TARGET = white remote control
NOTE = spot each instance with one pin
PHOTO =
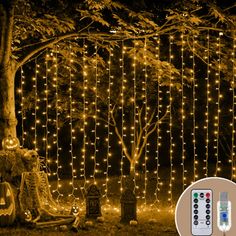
(201, 209)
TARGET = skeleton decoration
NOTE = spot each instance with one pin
(7, 205)
(36, 197)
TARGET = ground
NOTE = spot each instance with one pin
(155, 219)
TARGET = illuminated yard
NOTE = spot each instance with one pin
(112, 109)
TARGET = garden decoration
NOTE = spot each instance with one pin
(128, 206)
(35, 196)
(10, 143)
(7, 205)
(93, 206)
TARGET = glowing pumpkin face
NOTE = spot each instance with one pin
(75, 210)
(7, 205)
(10, 143)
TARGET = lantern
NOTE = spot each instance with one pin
(7, 205)
(10, 143)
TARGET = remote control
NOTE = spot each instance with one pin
(201, 209)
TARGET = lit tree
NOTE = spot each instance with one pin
(27, 28)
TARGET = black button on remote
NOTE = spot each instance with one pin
(196, 222)
(195, 217)
(208, 211)
(195, 206)
(201, 195)
(195, 200)
(195, 211)
(208, 217)
(208, 206)
(208, 200)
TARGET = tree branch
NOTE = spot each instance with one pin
(7, 19)
(123, 145)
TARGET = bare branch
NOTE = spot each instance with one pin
(123, 145)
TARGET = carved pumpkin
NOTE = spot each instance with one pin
(7, 205)
(10, 143)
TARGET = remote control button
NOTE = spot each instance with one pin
(196, 222)
(202, 195)
(208, 217)
(208, 222)
(208, 200)
(195, 217)
(195, 195)
(195, 206)
(195, 212)
(208, 206)
(195, 200)
(208, 211)
(208, 195)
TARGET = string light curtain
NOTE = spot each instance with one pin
(123, 82)
(158, 131)
(22, 109)
(219, 96)
(208, 99)
(233, 168)
(183, 42)
(170, 191)
(85, 110)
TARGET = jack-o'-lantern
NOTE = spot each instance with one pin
(75, 210)
(7, 205)
(27, 216)
(10, 143)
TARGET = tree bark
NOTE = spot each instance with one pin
(8, 119)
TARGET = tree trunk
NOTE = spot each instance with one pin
(8, 119)
(132, 168)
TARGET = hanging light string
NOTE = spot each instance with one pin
(233, 168)
(219, 96)
(183, 42)
(36, 121)
(156, 172)
(56, 134)
(22, 110)
(45, 113)
(72, 130)
(95, 103)
(194, 84)
(146, 121)
(170, 193)
(123, 48)
(208, 99)
(109, 110)
(135, 121)
(85, 110)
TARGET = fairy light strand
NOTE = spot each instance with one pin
(122, 115)
(182, 112)
(108, 156)
(146, 121)
(158, 145)
(85, 110)
(194, 85)
(170, 193)
(219, 96)
(95, 103)
(22, 111)
(233, 168)
(72, 130)
(36, 121)
(208, 99)
(133, 134)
